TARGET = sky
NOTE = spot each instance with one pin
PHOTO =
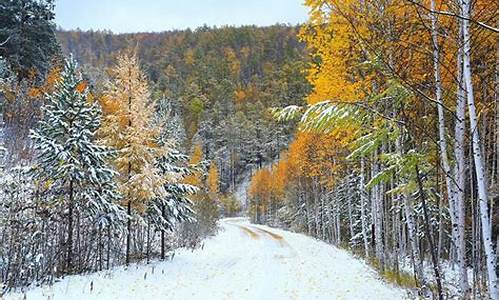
(122, 16)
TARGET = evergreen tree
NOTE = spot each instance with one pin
(68, 159)
(174, 206)
(27, 35)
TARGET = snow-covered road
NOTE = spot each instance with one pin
(243, 261)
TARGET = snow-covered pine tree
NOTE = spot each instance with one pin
(169, 119)
(173, 207)
(67, 157)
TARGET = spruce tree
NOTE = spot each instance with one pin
(69, 159)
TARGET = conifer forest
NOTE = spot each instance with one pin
(351, 155)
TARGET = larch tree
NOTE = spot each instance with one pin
(127, 127)
(213, 179)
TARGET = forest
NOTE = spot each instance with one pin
(372, 127)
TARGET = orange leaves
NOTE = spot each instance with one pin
(268, 184)
(232, 59)
(245, 52)
(239, 95)
(260, 186)
(52, 77)
(81, 87)
(35, 92)
(197, 154)
(311, 156)
(196, 157)
(126, 127)
(330, 39)
(279, 178)
(213, 179)
(318, 156)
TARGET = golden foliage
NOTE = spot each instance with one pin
(126, 127)
(239, 95)
(189, 57)
(81, 86)
(52, 78)
(196, 157)
(213, 179)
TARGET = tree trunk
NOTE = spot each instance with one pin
(70, 229)
(415, 250)
(108, 254)
(428, 233)
(459, 177)
(129, 227)
(378, 211)
(478, 158)
(443, 148)
(162, 255)
(148, 242)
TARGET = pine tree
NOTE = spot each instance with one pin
(27, 38)
(174, 206)
(68, 158)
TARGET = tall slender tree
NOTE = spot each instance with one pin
(127, 127)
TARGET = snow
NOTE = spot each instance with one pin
(244, 261)
(241, 190)
(450, 276)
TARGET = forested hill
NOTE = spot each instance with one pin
(220, 81)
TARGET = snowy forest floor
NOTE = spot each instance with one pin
(244, 261)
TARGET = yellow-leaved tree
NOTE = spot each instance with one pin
(213, 180)
(127, 128)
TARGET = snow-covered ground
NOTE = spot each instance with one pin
(241, 190)
(243, 261)
(450, 276)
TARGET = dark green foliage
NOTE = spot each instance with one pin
(27, 36)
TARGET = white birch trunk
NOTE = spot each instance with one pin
(459, 177)
(443, 147)
(349, 213)
(377, 211)
(478, 158)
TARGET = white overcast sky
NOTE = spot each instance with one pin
(161, 15)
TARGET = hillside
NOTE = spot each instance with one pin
(221, 81)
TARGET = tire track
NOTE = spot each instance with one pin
(252, 234)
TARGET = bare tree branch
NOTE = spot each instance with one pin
(452, 14)
(5, 42)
